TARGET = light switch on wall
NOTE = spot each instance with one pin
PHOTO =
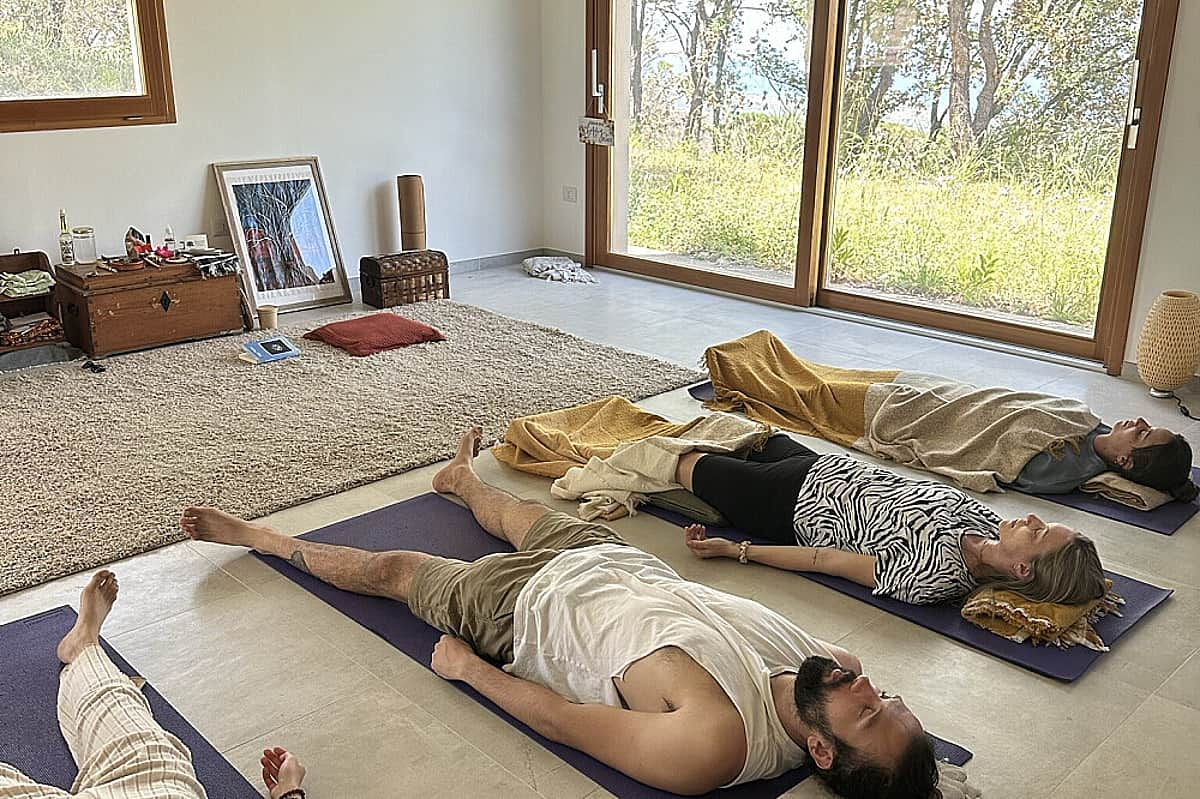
(570, 194)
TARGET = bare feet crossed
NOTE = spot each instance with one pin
(95, 601)
(468, 447)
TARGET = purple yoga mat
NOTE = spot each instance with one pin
(434, 524)
(1166, 519)
(30, 739)
(1061, 664)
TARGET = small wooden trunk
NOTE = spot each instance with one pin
(404, 277)
(105, 313)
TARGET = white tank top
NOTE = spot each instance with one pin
(590, 613)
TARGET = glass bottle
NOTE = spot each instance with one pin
(65, 249)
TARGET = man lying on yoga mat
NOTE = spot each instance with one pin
(916, 541)
(980, 438)
(121, 751)
(606, 649)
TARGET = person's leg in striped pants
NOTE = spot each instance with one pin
(121, 751)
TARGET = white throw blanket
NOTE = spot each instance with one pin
(557, 267)
(613, 486)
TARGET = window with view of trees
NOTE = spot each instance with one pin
(978, 153)
(81, 63)
(968, 160)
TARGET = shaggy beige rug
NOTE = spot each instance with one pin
(97, 467)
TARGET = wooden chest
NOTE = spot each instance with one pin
(404, 277)
(105, 313)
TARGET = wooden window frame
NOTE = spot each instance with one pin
(155, 107)
(1126, 230)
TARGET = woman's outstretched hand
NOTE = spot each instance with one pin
(282, 771)
(702, 546)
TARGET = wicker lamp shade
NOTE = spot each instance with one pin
(1169, 349)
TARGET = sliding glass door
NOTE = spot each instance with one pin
(977, 159)
(709, 108)
(975, 165)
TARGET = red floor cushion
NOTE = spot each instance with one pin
(368, 335)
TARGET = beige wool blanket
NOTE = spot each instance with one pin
(977, 437)
(613, 486)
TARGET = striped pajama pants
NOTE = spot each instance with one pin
(121, 751)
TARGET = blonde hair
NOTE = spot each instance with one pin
(1069, 576)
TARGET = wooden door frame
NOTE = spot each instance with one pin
(599, 163)
(1126, 228)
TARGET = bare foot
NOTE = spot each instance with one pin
(210, 524)
(95, 601)
(468, 447)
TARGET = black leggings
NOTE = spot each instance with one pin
(757, 495)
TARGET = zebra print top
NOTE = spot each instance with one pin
(913, 528)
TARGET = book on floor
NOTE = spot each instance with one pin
(276, 348)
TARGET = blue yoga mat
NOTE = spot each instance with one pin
(1061, 664)
(1165, 519)
(434, 524)
(30, 739)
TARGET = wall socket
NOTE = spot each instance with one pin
(570, 194)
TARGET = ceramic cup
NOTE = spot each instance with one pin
(268, 317)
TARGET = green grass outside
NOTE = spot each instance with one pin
(1005, 245)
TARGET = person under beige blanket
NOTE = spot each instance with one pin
(981, 438)
(607, 649)
(121, 750)
(917, 541)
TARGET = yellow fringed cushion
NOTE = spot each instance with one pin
(1016, 618)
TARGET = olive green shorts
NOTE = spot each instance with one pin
(475, 600)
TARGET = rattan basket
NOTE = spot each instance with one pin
(404, 277)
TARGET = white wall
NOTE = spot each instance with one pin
(564, 65)
(1171, 247)
(375, 88)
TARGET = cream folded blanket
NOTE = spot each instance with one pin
(24, 284)
(617, 484)
(1111, 485)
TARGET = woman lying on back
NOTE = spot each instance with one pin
(1152, 456)
(980, 438)
(916, 541)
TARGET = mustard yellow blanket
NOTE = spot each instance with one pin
(759, 376)
(548, 444)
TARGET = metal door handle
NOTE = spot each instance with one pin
(597, 87)
(1133, 117)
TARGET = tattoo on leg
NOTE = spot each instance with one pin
(297, 560)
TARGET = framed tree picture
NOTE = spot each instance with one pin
(282, 230)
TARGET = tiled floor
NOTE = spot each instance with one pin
(252, 660)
